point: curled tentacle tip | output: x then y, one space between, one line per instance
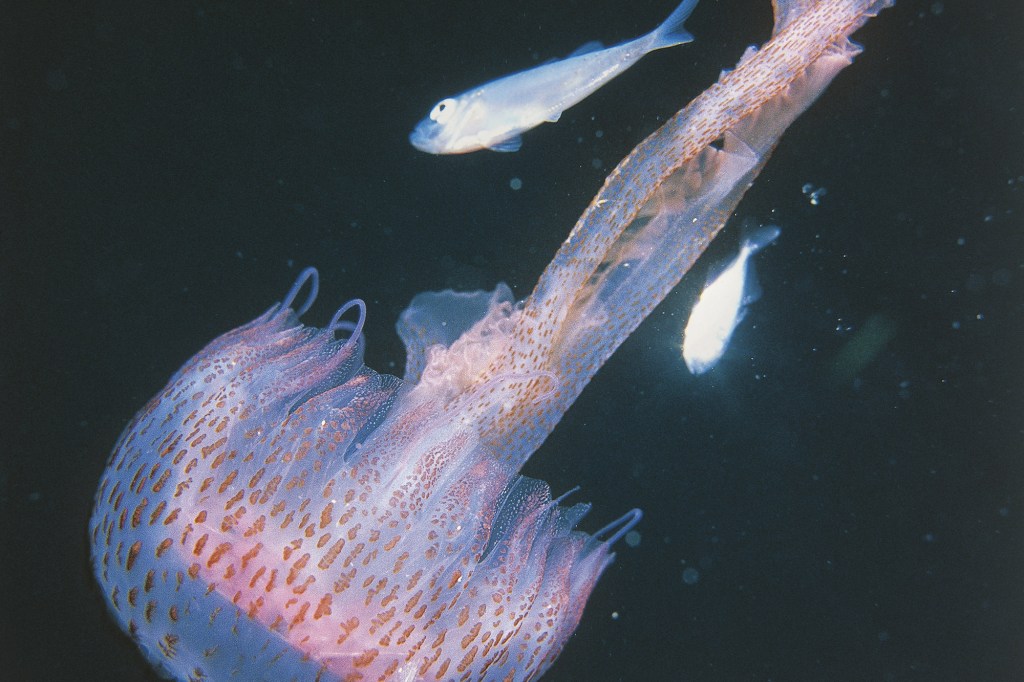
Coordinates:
355 330
310 275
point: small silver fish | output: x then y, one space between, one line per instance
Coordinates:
722 305
494 115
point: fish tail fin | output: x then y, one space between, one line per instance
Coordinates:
672 32
756 239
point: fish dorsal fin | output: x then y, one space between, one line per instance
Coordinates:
788 10
586 48
511 144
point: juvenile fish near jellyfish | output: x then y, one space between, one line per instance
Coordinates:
722 305
280 511
492 116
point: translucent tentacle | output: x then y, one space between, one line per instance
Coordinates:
620 526
311 275
356 330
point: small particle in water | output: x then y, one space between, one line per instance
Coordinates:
904 389
956 324
928 537
1004 511
937 8
691 575
961 241
633 538
615 615
596 163
515 184
599 134
883 636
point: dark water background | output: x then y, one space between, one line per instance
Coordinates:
167 169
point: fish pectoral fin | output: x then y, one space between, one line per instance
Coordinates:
511 144
553 117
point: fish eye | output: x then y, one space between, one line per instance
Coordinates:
443 110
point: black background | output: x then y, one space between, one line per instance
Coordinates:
167 169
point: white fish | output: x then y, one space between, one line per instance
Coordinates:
494 115
722 305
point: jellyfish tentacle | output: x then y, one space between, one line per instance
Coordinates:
311 275
356 330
